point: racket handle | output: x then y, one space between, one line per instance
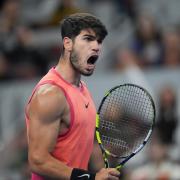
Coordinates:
106 163
119 167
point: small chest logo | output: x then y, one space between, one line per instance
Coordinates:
87 105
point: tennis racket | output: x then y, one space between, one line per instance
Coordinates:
124 123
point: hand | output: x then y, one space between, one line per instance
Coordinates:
107 174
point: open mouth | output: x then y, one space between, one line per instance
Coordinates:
92 59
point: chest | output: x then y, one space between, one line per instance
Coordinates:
80 112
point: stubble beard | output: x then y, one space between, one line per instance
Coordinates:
74 59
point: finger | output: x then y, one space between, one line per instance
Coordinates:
111 177
114 172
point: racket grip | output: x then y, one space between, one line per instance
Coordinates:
119 167
106 163
105 160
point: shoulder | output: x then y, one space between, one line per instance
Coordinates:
49 92
48 99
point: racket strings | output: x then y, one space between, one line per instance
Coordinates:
112 131
115 129
126 117
115 142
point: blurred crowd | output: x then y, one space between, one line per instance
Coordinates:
150 45
19 58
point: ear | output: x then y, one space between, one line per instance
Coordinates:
68 44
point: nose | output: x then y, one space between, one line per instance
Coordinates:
96 47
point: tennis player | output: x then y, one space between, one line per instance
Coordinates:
60 114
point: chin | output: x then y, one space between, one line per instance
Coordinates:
89 73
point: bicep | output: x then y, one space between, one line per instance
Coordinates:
45 112
42 136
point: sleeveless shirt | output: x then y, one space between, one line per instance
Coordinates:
75 146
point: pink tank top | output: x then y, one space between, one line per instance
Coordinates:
75 146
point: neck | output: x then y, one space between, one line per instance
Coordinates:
66 70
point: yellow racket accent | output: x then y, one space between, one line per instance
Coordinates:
119 167
98 137
107 93
107 152
97 120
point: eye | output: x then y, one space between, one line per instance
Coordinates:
88 38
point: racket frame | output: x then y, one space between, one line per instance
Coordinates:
106 152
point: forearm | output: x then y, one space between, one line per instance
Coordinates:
48 166
96 162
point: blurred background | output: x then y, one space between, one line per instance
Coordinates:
143 47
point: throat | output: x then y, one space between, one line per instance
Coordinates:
69 75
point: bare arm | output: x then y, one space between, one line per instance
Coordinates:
96 161
45 112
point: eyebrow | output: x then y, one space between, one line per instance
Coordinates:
93 37
88 35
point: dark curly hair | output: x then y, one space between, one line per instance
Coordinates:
72 25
